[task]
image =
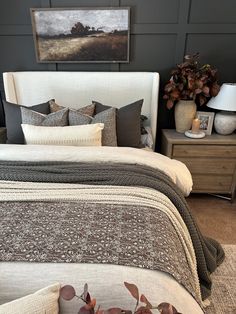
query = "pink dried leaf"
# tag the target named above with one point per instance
(183, 65)
(98, 311)
(143, 310)
(114, 310)
(214, 90)
(86, 310)
(213, 72)
(170, 104)
(190, 84)
(175, 94)
(67, 292)
(199, 84)
(127, 312)
(88, 298)
(169, 87)
(133, 289)
(198, 91)
(145, 300)
(90, 307)
(167, 308)
(92, 303)
(206, 90)
(202, 100)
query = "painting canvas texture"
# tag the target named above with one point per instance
(81, 35)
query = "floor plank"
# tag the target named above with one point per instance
(216, 217)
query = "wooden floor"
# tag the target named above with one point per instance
(216, 217)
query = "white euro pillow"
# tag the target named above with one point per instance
(42, 301)
(76, 135)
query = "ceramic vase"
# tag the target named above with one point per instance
(225, 122)
(185, 111)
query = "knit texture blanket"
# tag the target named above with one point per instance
(209, 253)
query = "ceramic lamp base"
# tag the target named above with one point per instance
(191, 134)
(225, 122)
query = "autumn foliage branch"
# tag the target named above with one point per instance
(68, 293)
(191, 81)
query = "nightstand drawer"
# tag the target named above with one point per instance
(213, 183)
(203, 151)
(209, 166)
(211, 160)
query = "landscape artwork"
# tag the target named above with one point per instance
(81, 34)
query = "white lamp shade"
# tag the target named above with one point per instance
(226, 99)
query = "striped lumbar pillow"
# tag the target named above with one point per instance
(42, 301)
(77, 135)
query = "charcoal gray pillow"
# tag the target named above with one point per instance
(13, 120)
(128, 127)
(59, 118)
(108, 117)
(99, 107)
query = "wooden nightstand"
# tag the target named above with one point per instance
(2, 135)
(211, 160)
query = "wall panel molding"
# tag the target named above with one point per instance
(212, 11)
(184, 9)
(45, 3)
(154, 28)
(162, 32)
(212, 28)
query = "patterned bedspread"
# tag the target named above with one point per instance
(98, 213)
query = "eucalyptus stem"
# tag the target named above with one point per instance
(136, 306)
(81, 298)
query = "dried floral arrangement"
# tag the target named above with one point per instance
(191, 81)
(68, 293)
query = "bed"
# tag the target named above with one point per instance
(99, 214)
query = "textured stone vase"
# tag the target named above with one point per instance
(185, 111)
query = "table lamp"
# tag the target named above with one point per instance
(225, 120)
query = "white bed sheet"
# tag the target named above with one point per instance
(105, 283)
(175, 169)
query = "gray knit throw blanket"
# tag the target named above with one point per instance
(209, 253)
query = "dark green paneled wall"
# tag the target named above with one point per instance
(162, 32)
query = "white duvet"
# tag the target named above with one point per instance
(175, 169)
(157, 285)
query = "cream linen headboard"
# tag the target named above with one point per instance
(77, 89)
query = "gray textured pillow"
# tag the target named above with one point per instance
(128, 123)
(108, 117)
(78, 118)
(89, 110)
(59, 118)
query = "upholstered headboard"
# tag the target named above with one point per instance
(76, 89)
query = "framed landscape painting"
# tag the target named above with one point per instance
(81, 34)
